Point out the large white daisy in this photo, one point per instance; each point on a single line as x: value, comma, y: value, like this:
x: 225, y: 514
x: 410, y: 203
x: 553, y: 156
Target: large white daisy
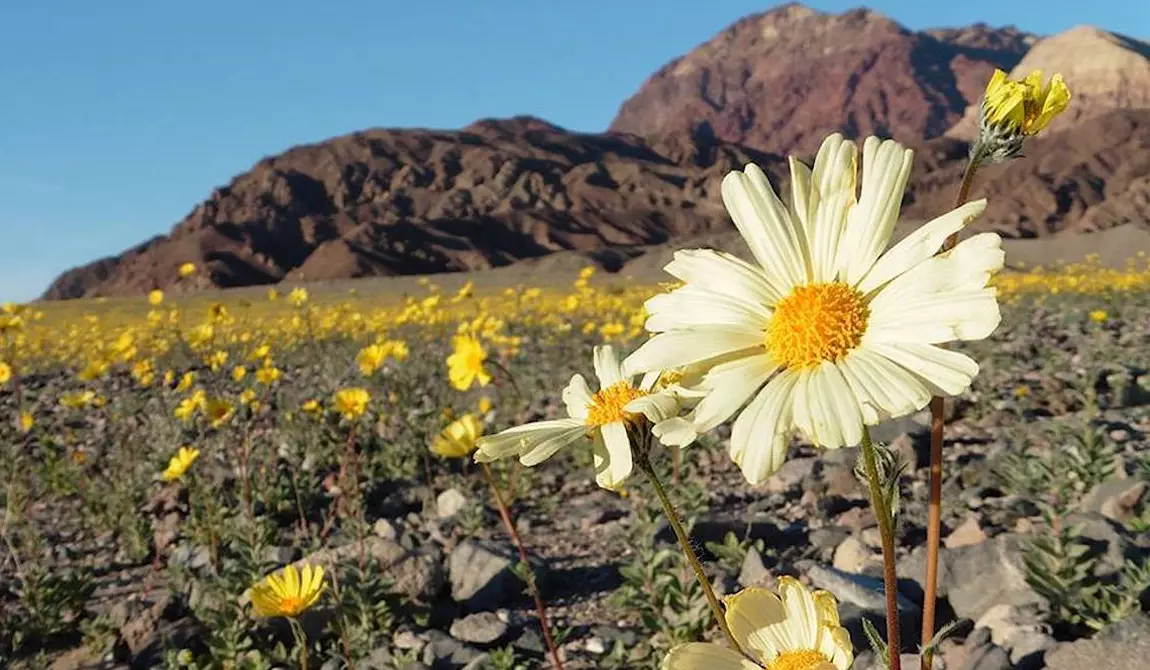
x: 825, y: 332
x: 608, y: 416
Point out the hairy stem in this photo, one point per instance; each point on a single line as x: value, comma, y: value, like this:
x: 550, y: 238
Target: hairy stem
x: 540, y: 608
x: 886, y: 531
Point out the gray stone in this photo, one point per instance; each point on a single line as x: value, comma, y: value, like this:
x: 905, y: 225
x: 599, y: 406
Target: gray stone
x: 987, y: 657
x: 753, y: 571
x: 866, y: 661
x: 1133, y: 628
x: 1117, y: 499
x: 977, y: 577
x: 1096, y: 653
x: 967, y: 533
x: 481, y: 575
x: 279, y: 555
x: 443, y: 651
x: 386, y: 529
x: 851, y: 555
x: 595, y: 645
x: 479, y: 628
x: 1028, y: 648
x: 481, y: 662
x: 791, y: 474
x: 449, y: 503
x: 862, y: 597
x: 829, y: 538
x: 417, y: 573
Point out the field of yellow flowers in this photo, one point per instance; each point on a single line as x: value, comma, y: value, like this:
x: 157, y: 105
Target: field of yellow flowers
x: 231, y: 481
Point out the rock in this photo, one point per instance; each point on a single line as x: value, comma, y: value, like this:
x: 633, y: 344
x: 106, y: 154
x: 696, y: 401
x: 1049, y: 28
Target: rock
x: 479, y: 628
x: 791, y: 474
x: 386, y: 529
x: 147, y: 636
x: 1100, y: 653
x: 965, y: 534
x: 595, y: 645
x: 866, y: 661
x: 1029, y: 648
x: 449, y: 503
x: 1109, y: 541
x: 829, y: 538
x: 852, y: 555
x: 481, y: 575
x: 417, y: 573
x: 480, y: 662
x: 861, y: 597
x: 753, y: 571
x: 279, y: 555
x: 1117, y: 499
x: 444, y: 651
x: 1133, y: 628
x: 987, y: 657
x: 976, y: 577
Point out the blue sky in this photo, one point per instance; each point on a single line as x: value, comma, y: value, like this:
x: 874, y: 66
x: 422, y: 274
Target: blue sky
x: 117, y: 117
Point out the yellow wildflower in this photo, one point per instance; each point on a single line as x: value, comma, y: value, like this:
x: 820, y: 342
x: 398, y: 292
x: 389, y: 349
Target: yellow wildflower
x: 187, y: 269
x: 218, y: 411
x: 288, y: 593
x: 25, y: 422
x: 465, y: 364
x: 268, y: 374
x: 1026, y: 106
x: 5, y: 373
x: 298, y: 296
x: 371, y: 358
x: 239, y: 372
x: 458, y: 438
x: 180, y: 463
x: 1099, y: 316
x: 352, y: 402
x: 186, y: 381
x: 156, y: 297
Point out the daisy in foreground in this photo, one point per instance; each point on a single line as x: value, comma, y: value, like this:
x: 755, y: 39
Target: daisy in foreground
x: 609, y: 416
x: 824, y: 333
x: 793, y: 630
x: 288, y: 593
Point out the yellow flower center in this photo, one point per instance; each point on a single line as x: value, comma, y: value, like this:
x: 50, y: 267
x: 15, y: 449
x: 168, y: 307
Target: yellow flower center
x: 607, y: 404
x: 816, y: 323
x: 291, y: 605
x: 797, y: 660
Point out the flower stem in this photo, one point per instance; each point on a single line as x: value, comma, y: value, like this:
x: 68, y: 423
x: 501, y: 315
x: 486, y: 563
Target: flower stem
x: 540, y: 608
x: 300, y: 640
x: 886, y: 531
x: 672, y: 515
x: 937, y: 424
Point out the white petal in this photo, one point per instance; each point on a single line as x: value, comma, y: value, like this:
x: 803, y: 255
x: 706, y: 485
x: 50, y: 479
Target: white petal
x: 968, y: 266
x: 607, y: 367
x: 675, y: 432
x: 884, y: 389
x: 682, y: 347
x: 919, y: 245
x: 722, y: 273
x: 618, y: 464
x: 945, y: 372
x: 577, y: 396
x: 520, y: 439
x: 970, y: 315
x: 762, y: 433
x: 886, y: 168
x: 758, y: 621
x: 802, y: 617
x: 800, y: 202
x: 694, y: 306
x: 656, y: 406
x: 729, y: 386
x: 705, y: 656
x: 765, y: 225
x: 826, y: 411
x: 831, y: 198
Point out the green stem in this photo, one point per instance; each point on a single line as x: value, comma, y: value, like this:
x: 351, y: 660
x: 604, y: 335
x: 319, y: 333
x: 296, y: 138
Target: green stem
x: 886, y: 531
x: 672, y: 515
x: 300, y: 640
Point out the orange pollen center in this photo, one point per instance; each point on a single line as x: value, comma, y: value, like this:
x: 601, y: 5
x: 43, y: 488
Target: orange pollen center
x: 291, y: 605
x: 607, y: 404
x: 816, y: 323
x: 797, y: 660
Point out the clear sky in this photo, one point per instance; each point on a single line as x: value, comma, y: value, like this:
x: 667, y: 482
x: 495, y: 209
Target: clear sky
x: 117, y: 117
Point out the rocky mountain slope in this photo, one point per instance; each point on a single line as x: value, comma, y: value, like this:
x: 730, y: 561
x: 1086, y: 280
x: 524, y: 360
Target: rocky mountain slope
x: 781, y: 80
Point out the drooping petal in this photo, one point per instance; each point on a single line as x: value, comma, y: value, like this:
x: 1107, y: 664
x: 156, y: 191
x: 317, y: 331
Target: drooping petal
x: 729, y: 386
x: 762, y: 433
x: 883, y: 389
x: 766, y: 226
x: 826, y: 411
x: 723, y: 274
x: 655, y: 406
x: 705, y: 656
x: 944, y: 372
x: 618, y: 453
x: 757, y: 619
x: 543, y: 449
x: 675, y: 432
x: 520, y: 439
x: 674, y: 348
x: 886, y: 168
x: 919, y: 245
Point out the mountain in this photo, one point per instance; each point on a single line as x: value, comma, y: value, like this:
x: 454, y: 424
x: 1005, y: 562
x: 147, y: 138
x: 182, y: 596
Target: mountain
x: 782, y: 80
x: 1104, y: 70
x: 384, y: 202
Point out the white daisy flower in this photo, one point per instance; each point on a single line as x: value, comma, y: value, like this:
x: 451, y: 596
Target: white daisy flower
x: 826, y: 332
x: 607, y: 416
x: 793, y: 630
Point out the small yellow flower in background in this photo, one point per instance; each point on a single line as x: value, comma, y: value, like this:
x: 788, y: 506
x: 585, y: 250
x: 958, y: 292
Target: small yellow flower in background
x: 465, y: 364
x: 371, y: 358
x: 259, y: 352
x: 25, y: 422
x: 352, y: 402
x: 187, y: 269
x: 273, y: 294
x: 186, y: 381
x: 268, y: 374
x: 156, y: 297
x: 1025, y: 106
x: 1021, y: 391
x: 93, y: 370
x: 78, y: 457
x: 249, y: 398
x: 218, y: 411
x: 288, y: 593
x: 392, y: 397
x: 239, y: 372
x: 1099, y: 316
x: 77, y: 399
x: 217, y: 360
x: 458, y: 438
x: 298, y: 296
x: 169, y: 377
x: 484, y: 405
x: 180, y: 463
x: 311, y: 407
x: 791, y: 630
x: 5, y: 373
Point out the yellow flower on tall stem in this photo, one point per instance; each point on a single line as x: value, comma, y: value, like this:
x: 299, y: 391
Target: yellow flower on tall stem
x: 791, y: 630
x: 180, y: 463
x: 1011, y: 111
x: 352, y: 402
x: 289, y: 594
x: 458, y: 438
x: 465, y: 365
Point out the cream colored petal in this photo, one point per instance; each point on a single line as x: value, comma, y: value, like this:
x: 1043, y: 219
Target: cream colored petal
x: 543, y: 449
x: 761, y: 435
x: 577, y: 396
x: 691, y: 306
x: 517, y: 440
x: 944, y: 372
x: 800, y: 203
x: 886, y: 168
x: 656, y: 406
x: 802, y: 614
x: 835, y: 644
x: 919, y: 245
x: 766, y: 226
x: 724, y: 274
x: 705, y: 656
x: 825, y: 409
x: 883, y: 389
x: 938, y: 318
x: 832, y: 196
x: 968, y: 266
x: 683, y: 347
x: 619, y: 449
x: 607, y: 367
x: 758, y: 620
x: 729, y: 386
x: 675, y: 432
